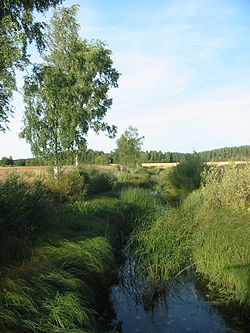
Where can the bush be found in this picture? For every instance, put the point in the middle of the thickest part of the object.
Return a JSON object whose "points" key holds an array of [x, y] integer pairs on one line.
{"points": [[166, 189], [68, 187], [136, 177], [228, 187], [25, 205], [97, 181], [186, 176]]}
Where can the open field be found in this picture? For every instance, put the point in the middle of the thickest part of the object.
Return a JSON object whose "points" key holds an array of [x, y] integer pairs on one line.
{"points": [[36, 170], [43, 170], [169, 165]]}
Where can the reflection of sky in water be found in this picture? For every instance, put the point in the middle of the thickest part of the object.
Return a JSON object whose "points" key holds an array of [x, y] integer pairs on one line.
{"points": [[180, 310]]}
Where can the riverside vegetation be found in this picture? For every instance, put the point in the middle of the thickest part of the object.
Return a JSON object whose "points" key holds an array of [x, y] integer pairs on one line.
{"points": [[208, 231], [59, 240], [57, 250]]}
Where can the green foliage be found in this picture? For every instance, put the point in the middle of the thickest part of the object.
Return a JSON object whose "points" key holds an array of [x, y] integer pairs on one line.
{"points": [[209, 231], [221, 213], [7, 161], [67, 94], [20, 162], [170, 194], [101, 159], [226, 154], [25, 205], [25, 211], [143, 205], [223, 235], [57, 289], [68, 187], [162, 247], [97, 181], [67, 271], [17, 29], [227, 187], [136, 177], [129, 147], [186, 176]]}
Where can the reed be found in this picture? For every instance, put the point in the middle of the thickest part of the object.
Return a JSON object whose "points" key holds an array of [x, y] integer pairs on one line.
{"points": [[210, 232]]}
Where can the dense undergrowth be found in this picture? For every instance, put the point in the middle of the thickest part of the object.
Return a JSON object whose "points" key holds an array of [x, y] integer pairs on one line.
{"points": [[209, 231], [59, 240]]}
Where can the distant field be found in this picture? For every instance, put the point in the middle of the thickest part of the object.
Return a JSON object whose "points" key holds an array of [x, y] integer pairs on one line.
{"points": [[159, 165], [43, 170], [169, 165], [36, 170], [39, 170]]}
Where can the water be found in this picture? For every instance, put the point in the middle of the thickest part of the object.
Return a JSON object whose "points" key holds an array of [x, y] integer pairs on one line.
{"points": [[180, 308]]}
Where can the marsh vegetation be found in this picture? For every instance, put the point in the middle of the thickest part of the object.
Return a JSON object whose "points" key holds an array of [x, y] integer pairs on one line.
{"points": [[62, 240]]}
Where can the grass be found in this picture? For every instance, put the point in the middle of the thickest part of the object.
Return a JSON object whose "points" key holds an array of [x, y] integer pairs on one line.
{"points": [[59, 256], [56, 285], [209, 231], [162, 248], [221, 250], [66, 260], [57, 288]]}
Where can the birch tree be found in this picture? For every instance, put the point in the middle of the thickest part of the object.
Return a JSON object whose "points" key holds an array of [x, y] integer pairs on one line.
{"points": [[67, 94]]}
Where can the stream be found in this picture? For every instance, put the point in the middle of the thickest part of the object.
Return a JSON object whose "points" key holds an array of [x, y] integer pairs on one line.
{"points": [[179, 308]]}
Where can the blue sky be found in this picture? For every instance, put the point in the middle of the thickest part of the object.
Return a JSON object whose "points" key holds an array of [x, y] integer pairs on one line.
{"points": [[185, 68]]}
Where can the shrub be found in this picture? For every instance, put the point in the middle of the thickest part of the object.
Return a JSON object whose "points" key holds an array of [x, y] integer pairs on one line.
{"points": [[97, 181], [166, 189], [68, 187], [25, 206], [228, 186], [186, 176], [136, 177]]}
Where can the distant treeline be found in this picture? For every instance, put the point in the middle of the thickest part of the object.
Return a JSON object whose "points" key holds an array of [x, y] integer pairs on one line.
{"points": [[153, 156]]}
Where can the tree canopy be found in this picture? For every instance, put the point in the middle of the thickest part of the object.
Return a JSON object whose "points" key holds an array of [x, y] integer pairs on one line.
{"points": [[17, 28], [129, 147], [67, 94]]}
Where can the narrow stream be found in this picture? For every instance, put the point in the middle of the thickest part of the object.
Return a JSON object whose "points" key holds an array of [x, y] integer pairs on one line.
{"points": [[180, 308]]}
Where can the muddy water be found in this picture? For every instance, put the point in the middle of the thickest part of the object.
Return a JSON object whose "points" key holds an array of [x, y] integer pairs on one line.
{"points": [[179, 308]]}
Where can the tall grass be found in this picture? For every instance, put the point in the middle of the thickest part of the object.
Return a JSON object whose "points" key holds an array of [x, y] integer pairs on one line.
{"points": [[221, 248], [162, 247], [221, 240], [56, 267], [142, 203], [57, 289], [26, 210], [210, 231]]}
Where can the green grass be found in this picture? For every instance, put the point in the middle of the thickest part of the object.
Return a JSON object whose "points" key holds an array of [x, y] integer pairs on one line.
{"points": [[221, 247], [56, 285], [58, 267], [163, 247], [209, 231], [57, 288]]}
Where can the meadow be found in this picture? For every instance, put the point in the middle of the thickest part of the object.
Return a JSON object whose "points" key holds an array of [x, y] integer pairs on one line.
{"points": [[60, 240]]}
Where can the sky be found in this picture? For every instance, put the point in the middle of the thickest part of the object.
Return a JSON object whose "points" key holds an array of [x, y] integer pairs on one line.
{"points": [[185, 73]]}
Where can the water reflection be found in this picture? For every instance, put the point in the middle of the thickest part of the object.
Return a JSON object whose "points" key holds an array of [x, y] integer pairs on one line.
{"points": [[179, 308]]}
